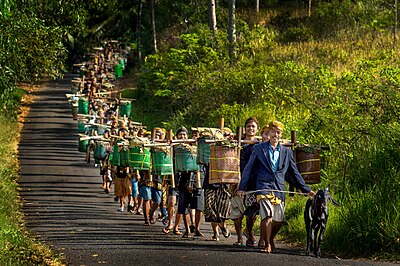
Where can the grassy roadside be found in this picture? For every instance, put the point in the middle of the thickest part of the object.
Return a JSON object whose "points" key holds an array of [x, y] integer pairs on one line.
{"points": [[17, 245]]}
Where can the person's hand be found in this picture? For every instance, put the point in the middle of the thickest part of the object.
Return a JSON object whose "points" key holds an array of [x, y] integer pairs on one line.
{"points": [[311, 194], [240, 193]]}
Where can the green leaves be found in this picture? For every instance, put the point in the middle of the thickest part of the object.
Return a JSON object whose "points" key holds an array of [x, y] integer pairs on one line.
{"points": [[6, 7], [29, 51]]}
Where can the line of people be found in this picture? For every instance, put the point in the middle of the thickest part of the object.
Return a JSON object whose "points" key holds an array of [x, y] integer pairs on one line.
{"points": [[142, 167]]}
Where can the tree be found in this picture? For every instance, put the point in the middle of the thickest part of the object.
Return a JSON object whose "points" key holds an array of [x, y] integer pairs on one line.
{"points": [[212, 15], [232, 29], [138, 38], [153, 26]]}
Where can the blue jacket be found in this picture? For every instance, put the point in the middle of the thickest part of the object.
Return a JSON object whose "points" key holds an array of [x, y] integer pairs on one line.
{"points": [[266, 179]]}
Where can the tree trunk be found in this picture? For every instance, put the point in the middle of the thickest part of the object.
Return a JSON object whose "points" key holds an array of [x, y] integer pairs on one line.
{"points": [[138, 33], [212, 15], [232, 29], [395, 25], [309, 8], [257, 7], [153, 26], [257, 16]]}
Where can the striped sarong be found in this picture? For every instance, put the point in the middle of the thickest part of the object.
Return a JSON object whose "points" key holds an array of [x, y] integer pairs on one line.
{"points": [[217, 204]]}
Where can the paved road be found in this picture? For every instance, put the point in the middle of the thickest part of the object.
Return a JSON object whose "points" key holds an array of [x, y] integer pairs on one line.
{"points": [[65, 207]]}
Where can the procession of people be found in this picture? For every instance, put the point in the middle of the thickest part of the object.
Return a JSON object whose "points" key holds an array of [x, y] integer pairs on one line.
{"points": [[189, 176]]}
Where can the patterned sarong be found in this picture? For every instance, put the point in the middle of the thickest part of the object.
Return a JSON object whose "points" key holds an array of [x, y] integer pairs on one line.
{"points": [[217, 204]]}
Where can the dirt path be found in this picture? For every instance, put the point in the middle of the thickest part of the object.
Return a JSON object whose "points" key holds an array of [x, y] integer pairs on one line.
{"points": [[66, 208]]}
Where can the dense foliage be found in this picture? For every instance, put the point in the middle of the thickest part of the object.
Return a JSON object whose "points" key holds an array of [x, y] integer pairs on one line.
{"points": [[337, 87], [29, 51]]}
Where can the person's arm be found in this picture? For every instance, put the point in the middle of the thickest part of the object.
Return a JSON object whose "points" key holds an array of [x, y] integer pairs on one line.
{"points": [[244, 157], [247, 172]]}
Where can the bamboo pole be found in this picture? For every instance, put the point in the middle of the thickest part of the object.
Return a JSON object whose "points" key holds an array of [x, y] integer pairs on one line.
{"points": [[221, 123], [170, 137]]}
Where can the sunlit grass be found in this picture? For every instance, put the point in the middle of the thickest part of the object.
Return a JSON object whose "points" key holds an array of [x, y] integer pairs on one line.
{"points": [[17, 246]]}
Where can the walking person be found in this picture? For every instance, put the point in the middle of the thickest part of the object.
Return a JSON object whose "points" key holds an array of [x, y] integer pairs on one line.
{"points": [[150, 188], [272, 162], [239, 208], [190, 196], [217, 207]]}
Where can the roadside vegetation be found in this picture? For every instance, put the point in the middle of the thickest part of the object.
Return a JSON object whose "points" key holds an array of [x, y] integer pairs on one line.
{"points": [[333, 76]]}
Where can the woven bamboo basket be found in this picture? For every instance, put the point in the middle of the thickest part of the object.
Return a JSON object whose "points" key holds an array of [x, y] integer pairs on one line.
{"points": [[309, 164], [224, 165]]}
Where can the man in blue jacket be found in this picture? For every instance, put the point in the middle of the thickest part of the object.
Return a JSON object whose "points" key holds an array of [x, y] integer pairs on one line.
{"points": [[272, 162]]}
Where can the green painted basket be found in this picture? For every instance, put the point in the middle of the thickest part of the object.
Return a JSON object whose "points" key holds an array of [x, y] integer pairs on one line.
{"points": [[81, 126], [184, 160], [100, 150], [83, 106], [139, 158], [125, 108], [118, 71], [120, 156], [203, 152], [83, 145], [161, 163], [122, 63]]}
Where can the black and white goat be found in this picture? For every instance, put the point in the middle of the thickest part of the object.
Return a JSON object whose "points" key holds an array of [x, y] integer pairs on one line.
{"points": [[316, 218]]}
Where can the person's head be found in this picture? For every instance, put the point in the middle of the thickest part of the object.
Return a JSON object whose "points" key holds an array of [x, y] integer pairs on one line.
{"points": [[275, 132], [251, 127], [141, 132], [195, 134], [264, 134], [182, 133], [159, 133], [123, 131], [114, 121]]}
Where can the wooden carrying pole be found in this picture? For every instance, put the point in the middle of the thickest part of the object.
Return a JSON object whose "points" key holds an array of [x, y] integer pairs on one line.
{"points": [[170, 137], [239, 135], [221, 123]]}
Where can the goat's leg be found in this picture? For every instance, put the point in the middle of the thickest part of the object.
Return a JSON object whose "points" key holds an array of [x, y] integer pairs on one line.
{"points": [[320, 237], [314, 233], [308, 230]]}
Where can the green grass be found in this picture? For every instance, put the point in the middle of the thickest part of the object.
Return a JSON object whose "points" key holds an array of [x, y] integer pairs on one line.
{"points": [[17, 245]]}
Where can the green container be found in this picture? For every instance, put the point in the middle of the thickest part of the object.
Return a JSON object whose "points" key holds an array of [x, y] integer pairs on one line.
{"points": [[83, 106], [124, 156], [83, 145], [125, 108], [161, 163], [184, 160], [120, 156], [139, 158], [118, 71], [100, 150], [203, 152], [114, 156], [81, 126], [111, 157], [122, 63]]}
